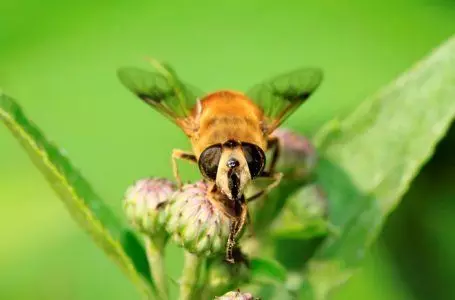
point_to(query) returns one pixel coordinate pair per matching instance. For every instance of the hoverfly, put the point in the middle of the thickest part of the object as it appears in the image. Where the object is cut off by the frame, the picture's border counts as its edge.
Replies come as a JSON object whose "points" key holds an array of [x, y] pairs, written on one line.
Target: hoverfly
{"points": [[229, 131]]}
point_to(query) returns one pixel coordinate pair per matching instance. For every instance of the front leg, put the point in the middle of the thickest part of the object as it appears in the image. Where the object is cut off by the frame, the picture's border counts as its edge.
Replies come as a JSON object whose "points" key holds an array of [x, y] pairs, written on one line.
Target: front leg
{"points": [[276, 181], [180, 154], [235, 228], [273, 143]]}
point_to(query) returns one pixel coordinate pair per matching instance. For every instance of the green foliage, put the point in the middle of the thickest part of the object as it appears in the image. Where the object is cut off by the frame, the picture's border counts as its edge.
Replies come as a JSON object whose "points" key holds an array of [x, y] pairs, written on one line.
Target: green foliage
{"points": [[371, 157], [84, 205], [368, 161], [262, 269]]}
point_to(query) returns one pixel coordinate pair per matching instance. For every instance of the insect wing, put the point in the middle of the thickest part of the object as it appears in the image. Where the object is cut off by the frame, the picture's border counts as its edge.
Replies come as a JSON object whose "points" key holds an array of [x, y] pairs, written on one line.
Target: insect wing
{"points": [[161, 90], [280, 96]]}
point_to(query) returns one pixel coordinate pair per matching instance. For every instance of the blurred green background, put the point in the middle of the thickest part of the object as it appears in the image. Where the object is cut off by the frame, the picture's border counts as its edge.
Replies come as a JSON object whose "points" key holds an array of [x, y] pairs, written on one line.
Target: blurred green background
{"points": [[59, 59]]}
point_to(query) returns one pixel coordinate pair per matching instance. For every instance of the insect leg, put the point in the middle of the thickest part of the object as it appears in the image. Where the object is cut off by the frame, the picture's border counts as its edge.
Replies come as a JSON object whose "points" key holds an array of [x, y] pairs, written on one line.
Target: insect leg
{"points": [[231, 243], [276, 180], [249, 220], [235, 228], [180, 154], [273, 142]]}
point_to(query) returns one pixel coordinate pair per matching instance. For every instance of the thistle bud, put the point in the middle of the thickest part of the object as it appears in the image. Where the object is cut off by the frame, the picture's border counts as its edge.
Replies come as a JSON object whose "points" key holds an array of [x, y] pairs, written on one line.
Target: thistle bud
{"points": [[236, 295], [144, 204], [311, 201], [196, 222], [304, 215], [298, 156], [223, 276]]}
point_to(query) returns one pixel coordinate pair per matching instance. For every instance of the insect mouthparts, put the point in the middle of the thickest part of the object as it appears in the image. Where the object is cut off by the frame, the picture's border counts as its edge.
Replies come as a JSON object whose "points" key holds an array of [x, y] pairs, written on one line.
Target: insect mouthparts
{"points": [[234, 184], [232, 163]]}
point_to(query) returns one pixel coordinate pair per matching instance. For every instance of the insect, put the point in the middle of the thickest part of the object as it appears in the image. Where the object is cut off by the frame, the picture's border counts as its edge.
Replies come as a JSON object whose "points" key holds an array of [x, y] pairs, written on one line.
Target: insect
{"points": [[230, 131]]}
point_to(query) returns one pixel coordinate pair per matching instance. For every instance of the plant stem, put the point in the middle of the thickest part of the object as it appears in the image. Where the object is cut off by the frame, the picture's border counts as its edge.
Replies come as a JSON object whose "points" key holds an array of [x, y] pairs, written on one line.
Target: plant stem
{"points": [[155, 256], [190, 276]]}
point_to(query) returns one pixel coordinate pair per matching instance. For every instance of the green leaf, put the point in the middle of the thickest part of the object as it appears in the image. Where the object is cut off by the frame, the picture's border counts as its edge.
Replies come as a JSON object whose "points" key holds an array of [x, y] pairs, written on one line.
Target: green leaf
{"points": [[84, 205], [267, 270], [371, 157]]}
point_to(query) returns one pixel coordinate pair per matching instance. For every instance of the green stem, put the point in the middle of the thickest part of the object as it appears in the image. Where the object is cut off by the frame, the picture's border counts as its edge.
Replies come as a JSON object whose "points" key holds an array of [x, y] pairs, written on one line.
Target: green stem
{"points": [[155, 255], [190, 275]]}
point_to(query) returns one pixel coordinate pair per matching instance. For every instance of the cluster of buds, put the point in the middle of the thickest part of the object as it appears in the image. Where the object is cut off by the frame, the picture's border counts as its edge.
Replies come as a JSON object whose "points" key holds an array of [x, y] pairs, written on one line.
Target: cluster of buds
{"points": [[155, 207]]}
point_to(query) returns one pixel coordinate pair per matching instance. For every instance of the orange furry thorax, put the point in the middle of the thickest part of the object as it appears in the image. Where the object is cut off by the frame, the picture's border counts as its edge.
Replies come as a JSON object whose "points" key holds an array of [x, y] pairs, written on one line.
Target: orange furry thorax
{"points": [[228, 115]]}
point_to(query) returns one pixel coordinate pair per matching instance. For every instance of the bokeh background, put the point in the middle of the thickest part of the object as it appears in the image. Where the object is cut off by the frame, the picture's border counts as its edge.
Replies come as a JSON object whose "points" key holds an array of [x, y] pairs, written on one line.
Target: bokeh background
{"points": [[59, 59]]}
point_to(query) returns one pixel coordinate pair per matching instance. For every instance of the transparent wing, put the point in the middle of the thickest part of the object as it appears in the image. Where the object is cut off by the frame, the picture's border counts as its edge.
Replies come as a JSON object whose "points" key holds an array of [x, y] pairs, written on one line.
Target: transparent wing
{"points": [[162, 90], [280, 96]]}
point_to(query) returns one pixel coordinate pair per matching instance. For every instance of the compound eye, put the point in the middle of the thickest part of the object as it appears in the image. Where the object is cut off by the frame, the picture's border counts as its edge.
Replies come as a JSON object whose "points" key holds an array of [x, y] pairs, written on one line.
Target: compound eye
{"points": [[209, 160], [255, 158]]}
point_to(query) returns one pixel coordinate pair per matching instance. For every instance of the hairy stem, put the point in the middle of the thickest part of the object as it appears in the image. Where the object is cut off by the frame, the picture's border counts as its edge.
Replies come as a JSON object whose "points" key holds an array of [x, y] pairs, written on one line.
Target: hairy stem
{"points": [[155, 255], [190, 276]]}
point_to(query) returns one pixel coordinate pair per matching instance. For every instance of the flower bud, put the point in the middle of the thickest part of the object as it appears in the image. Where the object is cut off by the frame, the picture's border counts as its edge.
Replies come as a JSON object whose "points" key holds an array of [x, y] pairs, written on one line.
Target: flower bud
{"points": [[236, 295], [304, 215], [297, 157], [196, 222], [223, 276], [144, 204], [311, 201]]}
